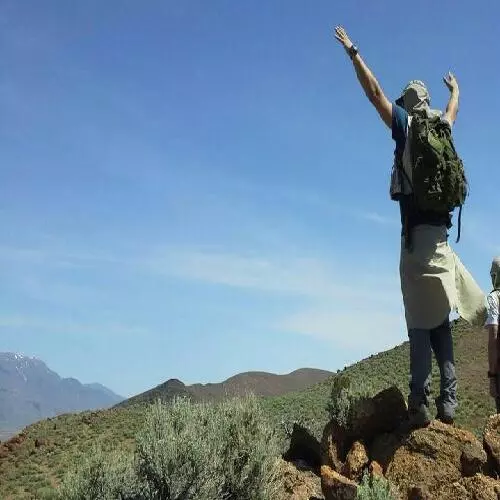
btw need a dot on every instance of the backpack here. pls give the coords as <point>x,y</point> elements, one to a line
<point>438,177</point>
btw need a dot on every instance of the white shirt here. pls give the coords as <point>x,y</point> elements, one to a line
<point>493,308</point>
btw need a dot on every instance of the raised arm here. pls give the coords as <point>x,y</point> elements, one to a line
<point>452,108</point>
<point>370,85</point>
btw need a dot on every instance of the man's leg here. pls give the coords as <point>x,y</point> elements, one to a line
<point>442,345</point>
<point>420,372</point>
<point>497,379</point>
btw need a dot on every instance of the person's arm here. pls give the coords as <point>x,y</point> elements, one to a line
<point>452,108</point>
<point>370,85</point>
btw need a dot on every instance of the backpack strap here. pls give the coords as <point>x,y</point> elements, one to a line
<point>459,223</point>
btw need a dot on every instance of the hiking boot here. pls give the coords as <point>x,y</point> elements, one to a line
<point>417,419</point>
<point>445,419</point>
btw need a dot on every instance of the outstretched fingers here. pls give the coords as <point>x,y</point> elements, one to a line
<point>340,34</point>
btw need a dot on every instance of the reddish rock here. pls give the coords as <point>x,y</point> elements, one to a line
<point>436,456</point>
<point>334,446</point>
<point>375,469</point>
<point>356,461</point>
<point>472,459</point>
<point>491,441</point>
<point>420,492</point>
<point>298,484</point>
<point>336,486</point>
<point>478,487</point>
<point>371,417</point>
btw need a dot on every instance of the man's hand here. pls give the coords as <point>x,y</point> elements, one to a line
<point>341,36</point>
<point>451,82</point>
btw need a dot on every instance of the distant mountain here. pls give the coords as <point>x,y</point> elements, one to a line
<point>30,391</point>
<point>260,383</point>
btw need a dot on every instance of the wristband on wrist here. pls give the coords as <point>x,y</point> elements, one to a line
<point>352,51</point>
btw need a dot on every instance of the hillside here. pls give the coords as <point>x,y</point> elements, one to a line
<point>260,383</point>
<point>42,454</point>
<point>30,391</point>
<point>392,368</point>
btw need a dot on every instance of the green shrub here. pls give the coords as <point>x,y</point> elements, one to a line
<point>187,451</point>
<point>175,451</point>
<point>375,488</point>
<point>200,451</point>
<point>344,399</point>
<point>46,493</point>
<point>101,476</point>
<point>248,447</point>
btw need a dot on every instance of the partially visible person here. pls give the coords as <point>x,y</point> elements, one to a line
<point>493,308</point>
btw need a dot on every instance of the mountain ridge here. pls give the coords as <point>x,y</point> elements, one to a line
<point>31,391</point>
<point>260,383</point>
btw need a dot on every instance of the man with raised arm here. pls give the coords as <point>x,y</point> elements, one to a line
<point>433,280</point>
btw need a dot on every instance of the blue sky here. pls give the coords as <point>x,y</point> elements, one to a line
<point>192,189</point>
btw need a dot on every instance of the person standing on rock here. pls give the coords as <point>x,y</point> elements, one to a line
<point>433,280</point>
<point>493,308</point>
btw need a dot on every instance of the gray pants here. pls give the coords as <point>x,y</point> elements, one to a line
<point>422,343</point>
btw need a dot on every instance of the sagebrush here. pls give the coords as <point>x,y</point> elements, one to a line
<point>344,399</point>
<point>102,475</point>
<point>188,451</point>
<point>375,488</point>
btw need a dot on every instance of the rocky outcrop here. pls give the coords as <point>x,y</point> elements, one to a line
<point>383,413</point>
<point>438,462</point>
<point>478,487</point>
<point>298,484</point>
<point>491,441</point>
<point>337,487</point>
<point>372,417</point>
<point>304,446</point>
<point>431,456</point>
<point>356,461</point>
<point>334,446</point>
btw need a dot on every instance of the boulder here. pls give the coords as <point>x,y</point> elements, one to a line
<point>435,456</point>
<point>305,447</point>
<point>383,448</point>
<point>298,484</point>
<point>491,441</point>
<point>356,461</point>
<point>472,459</point>
<point>420,492</point>
<point>381,414</point>
<point>335,486</point>
<point>477,487</point>
<point>334,446</point>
